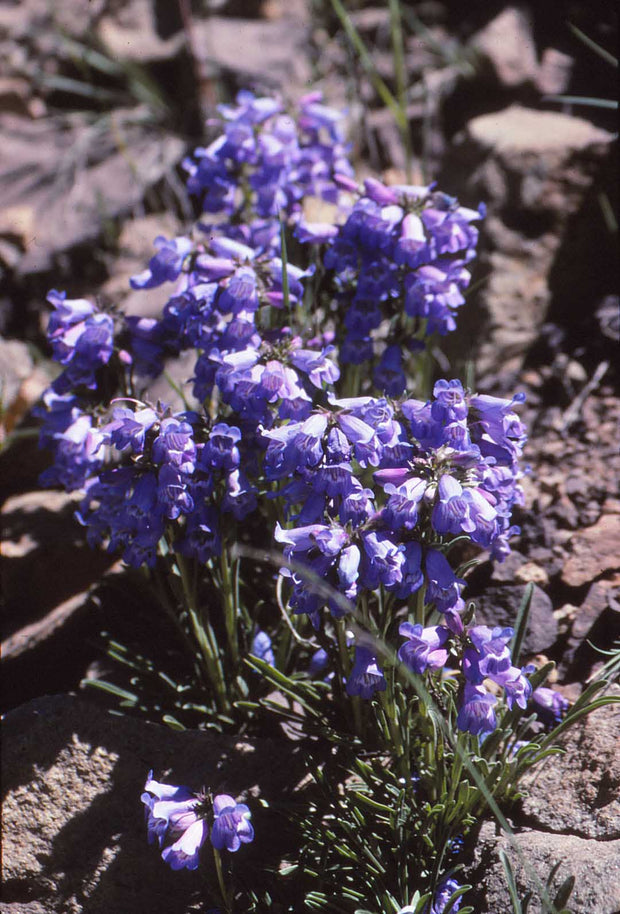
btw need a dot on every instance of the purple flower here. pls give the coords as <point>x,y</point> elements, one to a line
<point>82,339</point>
<point>389,375</point>
<point>173,812</point>
<point>261,647</point>
<point>231,827</point>
<point>444,588</point>
<point>401,509</point>
<point>476,714</point>
<point>517,687</point>
<point>490,655</point>
<point>165,265</point>
<point>184,853</point>
<point>424,647</point>
<point>366,676</point>
<point>128,428</point>
<point>318,662</point>
<point>383,561</point>
<point>443,894</point>
<point>550,706</point>
<point>221,451</point>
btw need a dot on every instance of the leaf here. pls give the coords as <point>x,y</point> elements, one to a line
<point>564,892</point>
<point>510,881</point>
<point>112,689</point>
<point>521,623</point>
<point>172,722</point>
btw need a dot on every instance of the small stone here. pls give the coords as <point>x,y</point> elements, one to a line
<point>532,573</point>
<point>500,606</point>
<point>554,72</point>
<point>507,42</point>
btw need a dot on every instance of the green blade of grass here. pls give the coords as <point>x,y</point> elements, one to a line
<point>593,45</point>
<point>608,103</point>
<point>366,60</point>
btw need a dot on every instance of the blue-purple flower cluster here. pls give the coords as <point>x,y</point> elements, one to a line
<point>375,488</point>
<point>438,469</point>
<point>178,474</point>
<point>177,820</point>
<point>399,262</point>
<point>268,160</point>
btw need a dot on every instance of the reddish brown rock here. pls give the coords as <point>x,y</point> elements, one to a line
<point>594,551</point>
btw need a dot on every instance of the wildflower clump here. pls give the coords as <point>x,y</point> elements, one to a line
<point>306,504</point>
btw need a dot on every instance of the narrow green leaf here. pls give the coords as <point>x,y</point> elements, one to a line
<point>593,45</point>
<point>609,103</point>
<point>521,623</point>
<point>111,688</point>
<point>172,722</point>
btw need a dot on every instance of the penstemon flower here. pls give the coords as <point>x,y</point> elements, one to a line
<point>175,814</point>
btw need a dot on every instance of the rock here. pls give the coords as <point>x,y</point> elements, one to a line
<point>579,791</point>
<point>508,44</point>
<point>500,606</point>
<point>243,45</point>
<point>49,633</point>
<point>595,551</point>
<point>41,536</point>
<point>531,573</point>
<point>534,170</point>
<point>554,73</point>
<point>131,34</point>
<point>73,826</point>
<point>519,131</point>
<point>21,384</point>
<point>30,20</point>
<point>595,627</point>
<point>70,200</point>
<point>594,864</point>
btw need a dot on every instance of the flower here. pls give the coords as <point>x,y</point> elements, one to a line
<point>261,647</point>
<point>550,706</point>
<point>444,892</point>
<point>174,812</point>
<point>366,676</point>
<point>423,649</point>
<point>177,814</point>
<point>231,827</point>
<point>476,714</point>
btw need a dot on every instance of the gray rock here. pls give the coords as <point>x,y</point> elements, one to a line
<point>533,169</point>
<point>73,826</point>
<point>594,864</point>
<point>69,180</point>
<point>508,44</point>
<point>245,46</point>
<point>500,606</point>
<point>579,791</point>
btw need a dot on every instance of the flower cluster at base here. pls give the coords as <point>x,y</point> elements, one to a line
<point>177,814</point>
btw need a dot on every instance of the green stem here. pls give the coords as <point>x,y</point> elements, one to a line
<point>205,637</point>
<point>457,768</point>
<point>226,899</point>
<point>230,606</point>
<point>388,703</point>
<point>398,53</point>
<point>419,614</point>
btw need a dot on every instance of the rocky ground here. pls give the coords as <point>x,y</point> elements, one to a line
<point>99,104</point>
